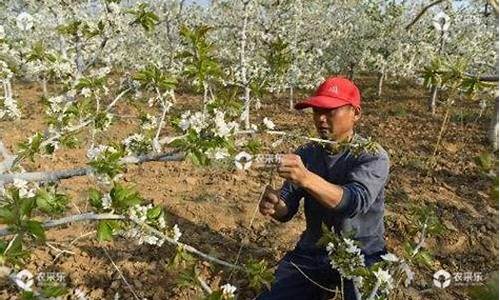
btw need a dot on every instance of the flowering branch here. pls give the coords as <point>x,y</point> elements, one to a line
<point>71,219</point>
<point>146,227</point>
<point>82,171</point>
<point>186,247</point>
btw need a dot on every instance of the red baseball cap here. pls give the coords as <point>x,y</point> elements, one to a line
<point>332,93</point>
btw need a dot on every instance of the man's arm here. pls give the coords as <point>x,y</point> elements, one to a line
<point>292,168</point>
<point>364,182</point>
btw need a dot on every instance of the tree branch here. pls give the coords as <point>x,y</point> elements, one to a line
<point>71,219</point>
<point>422,13</point>
<point>494,4</point>
<point>51,176</point>
<point>146,227</point>
<point>186,247</point>
<point>485,78</point>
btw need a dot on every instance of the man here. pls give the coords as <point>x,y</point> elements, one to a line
<point>344,190</point>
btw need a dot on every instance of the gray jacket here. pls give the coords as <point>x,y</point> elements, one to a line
<point>361,208</point>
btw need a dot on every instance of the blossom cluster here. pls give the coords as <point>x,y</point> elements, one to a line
<point>98,151</point>
<point>347,258</point>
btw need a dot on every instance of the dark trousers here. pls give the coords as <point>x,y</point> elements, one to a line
<point>291,284</point>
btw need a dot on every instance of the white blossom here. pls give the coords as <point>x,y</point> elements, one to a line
<point>139,212</point>
<point>86,92</point>
<point>106,201</point>
<point>410,275</point>
<point>184,122</point>
<point>176,233</point>
<point>11,109</point>
<point>149,123</point>
<point>100,72</point>
<point>228,290</point>
<point>217,153</point>
<point>79,294</point>
<point>330,247</point>
<point>94,152</point>
<point>2,32</point>
<point>384,278</point>
<point>114,7</point>
<point>197,122</point>
<point>24,190</point>
<point>268,123</point>
<point>221,128</point>
<point>390,257</point>
<point>5,72</point>
<point>358,281</point>
<point>150,239</point>
<point>24,21</point>
<point>351,247</point>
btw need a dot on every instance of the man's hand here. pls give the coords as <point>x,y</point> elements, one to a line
<point>292,168</point>
<point>271,204</point>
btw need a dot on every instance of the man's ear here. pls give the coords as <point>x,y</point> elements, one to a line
<point>357,113</point>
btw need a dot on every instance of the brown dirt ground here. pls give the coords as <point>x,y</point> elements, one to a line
<point>213,207</point>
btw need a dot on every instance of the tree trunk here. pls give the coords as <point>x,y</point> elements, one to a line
<point>432,100</point>
<point>205,97</point>
<point>381,76</point>
<point>350,73</point>
<point>44,87</point>
<point>246,112</point>
<point>493,130</point>
<point>243,63</point>
<point>291,98</point>
<point>80,65</point>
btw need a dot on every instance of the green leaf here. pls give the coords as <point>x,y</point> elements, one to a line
<point>154,213</point>
<point>124,197</point>
<point>259,274</point>
<point>104,231</point>
<point>53,290</point>
<point>423,257</point>
<point>7,216</point>
<point>16,247</point>
<point>51,202</point>
<point>95,198</point>
<point>26,206</point>
<point>215,295</point>
<point>26,295</point>
<point>484,161</point>
<point>486,292</point>
<point>35,228</point>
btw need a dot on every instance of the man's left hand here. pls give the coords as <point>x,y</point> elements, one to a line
<point>292,168</point>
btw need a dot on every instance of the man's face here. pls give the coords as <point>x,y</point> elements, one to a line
<point>336,124</point>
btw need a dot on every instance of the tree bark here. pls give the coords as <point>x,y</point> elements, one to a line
<point>493,130</point>
<point>350,73</point>
<point>52,176</point>
<point>380,81</point>
<point>432,100</point>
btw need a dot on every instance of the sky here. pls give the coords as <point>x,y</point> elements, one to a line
<point>200,2</point>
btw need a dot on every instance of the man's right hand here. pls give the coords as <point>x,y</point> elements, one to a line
<point>271,204</point>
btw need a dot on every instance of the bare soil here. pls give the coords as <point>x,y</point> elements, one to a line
<point>213,206</point>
